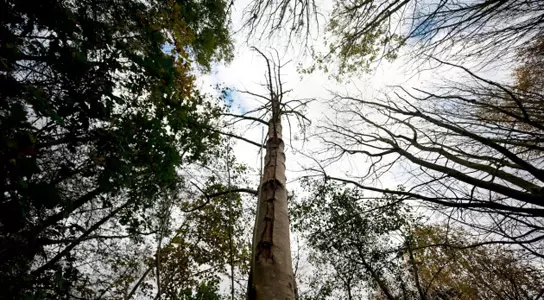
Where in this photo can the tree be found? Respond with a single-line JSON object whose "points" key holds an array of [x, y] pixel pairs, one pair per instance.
{"points": [[363, 32], [448, 269], [189, 244], [351, 238], [380, 249], [99, 112], [263, 19], [472, 147], [528, 84], [271, 275], [360, 33], [206, 291], [200, 248], [531, 60]]}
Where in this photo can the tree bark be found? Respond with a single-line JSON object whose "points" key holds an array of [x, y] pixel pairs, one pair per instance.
{"points": [[271, 276]]}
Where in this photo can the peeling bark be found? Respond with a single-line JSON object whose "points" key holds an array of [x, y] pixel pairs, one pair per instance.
{"points": [[271, 276]]}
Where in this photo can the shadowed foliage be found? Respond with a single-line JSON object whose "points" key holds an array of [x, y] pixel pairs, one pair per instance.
{"points": [[99, 111]]}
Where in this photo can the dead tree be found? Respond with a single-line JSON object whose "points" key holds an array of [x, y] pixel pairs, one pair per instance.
{"points": [[472, 153], [271, 275]]}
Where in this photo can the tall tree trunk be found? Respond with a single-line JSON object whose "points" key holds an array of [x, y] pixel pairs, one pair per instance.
{"points": [[271, 276]]}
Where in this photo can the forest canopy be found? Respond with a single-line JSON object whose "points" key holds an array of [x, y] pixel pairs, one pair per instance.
{"points": [[388, 150]]}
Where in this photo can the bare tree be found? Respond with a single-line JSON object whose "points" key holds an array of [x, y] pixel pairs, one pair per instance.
{"points": [[271, 275], [363, 32], [471, 152], [293, 18]]}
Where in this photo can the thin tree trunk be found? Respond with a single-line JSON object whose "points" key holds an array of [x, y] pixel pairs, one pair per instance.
{"points": [[271, 276], [137, 285], [383, 286], [350, 297], [422, 294], [77, 241], [231, 229]]}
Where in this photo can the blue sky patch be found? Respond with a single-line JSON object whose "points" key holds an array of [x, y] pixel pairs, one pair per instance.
{"points": [[167, 48], [424, 28], [234, 101]]}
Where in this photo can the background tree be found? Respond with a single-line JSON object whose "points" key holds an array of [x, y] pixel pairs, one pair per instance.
{"points": [[474, 148], [99, 114], [531, 60], [296, 19], [351, 238], [190, 245], [448, 267], [380, 249], [361, 33], [528, 85]]}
